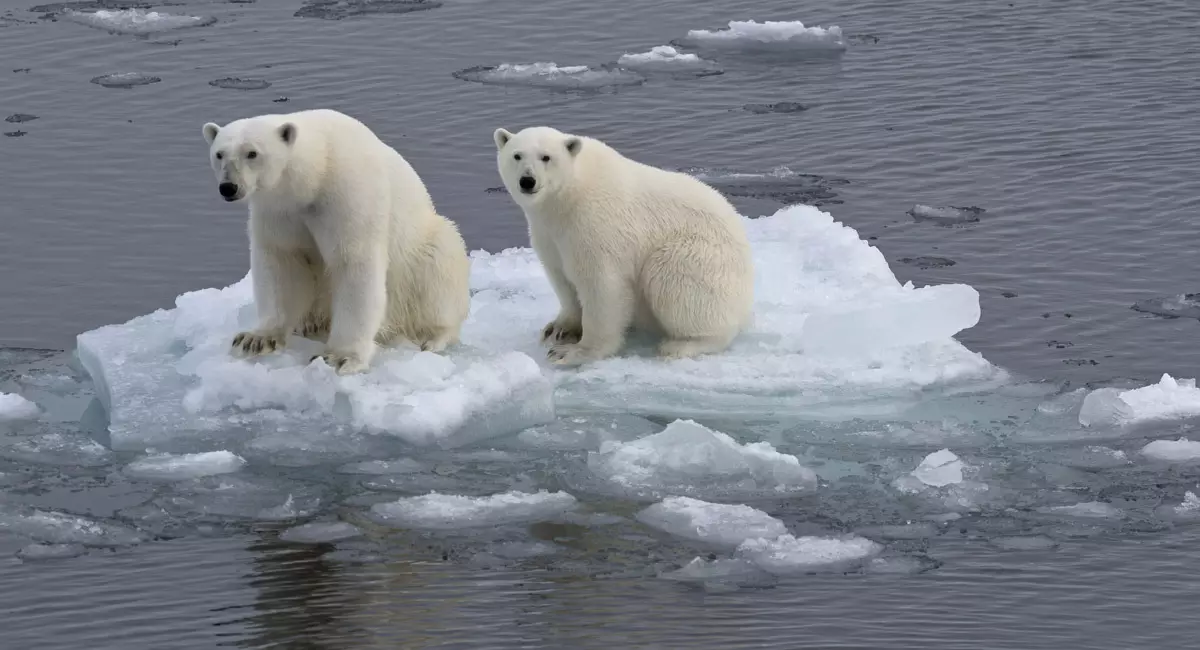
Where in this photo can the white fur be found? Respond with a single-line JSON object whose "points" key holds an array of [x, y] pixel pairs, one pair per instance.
{"points": [[626, 244], [345, 243]]}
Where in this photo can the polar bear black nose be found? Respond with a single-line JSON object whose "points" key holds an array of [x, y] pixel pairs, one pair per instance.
{"points": [[527, 184], [228, 190]]}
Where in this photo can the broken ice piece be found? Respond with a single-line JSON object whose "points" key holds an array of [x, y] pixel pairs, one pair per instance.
{"points": [[715, 523], [939, 469]]}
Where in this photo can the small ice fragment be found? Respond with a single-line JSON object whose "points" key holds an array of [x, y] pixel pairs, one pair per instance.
{"points": [[1173, 451], [586, 432], [436, 511], [35, 552], [665, 58], [901, 565], [56, 448], [736, 571], [1180, 305], [1023, 543], [1188, 510], [320, 532], [770, 36], [688, 458], [61, 528], [948, 214], [238, 83], [893, 532], [237, 497], [788, 554], [125, 80], [379, 467], [15, 407], [939, 469], [137, 21], [1091, 509], [1169, 399], [550, 75], [170, 467], [714, 523]]}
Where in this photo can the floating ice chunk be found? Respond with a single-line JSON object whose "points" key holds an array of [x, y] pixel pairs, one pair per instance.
{"points": [[15, 407], [1188, 510], [735, 571], [320, 532], [714, 523], [35, 552], [770, 36], [788, 554], [1023, 543], [375, 467], [450, 511], [137, 21], [1090, 509], [586, 432], [945, 215], [806, 265], [168, 381], [1167, 400], [551, 75], [901, 565], [61, 528], [939, 469], [170, 467], [1181, 305], [227, 496], [55, 448], [125, 80], [1173, 451], [688, 458], [665, 58]]}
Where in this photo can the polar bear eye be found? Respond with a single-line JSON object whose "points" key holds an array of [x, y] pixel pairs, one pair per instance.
{"points": [[516, 156], [252, 155], [220, 155], [545, 158]]}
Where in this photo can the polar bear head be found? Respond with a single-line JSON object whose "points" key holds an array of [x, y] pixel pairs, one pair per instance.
{"points": [[536, 162], [250, 154]]}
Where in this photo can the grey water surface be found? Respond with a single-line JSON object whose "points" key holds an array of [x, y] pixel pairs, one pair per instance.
{"points": [[1072, 123]]}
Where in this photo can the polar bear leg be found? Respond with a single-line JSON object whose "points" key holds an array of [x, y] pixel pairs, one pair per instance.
{"points": [[284, 291], [359, 305], [694, 290], [608, 303], [567, 327]]}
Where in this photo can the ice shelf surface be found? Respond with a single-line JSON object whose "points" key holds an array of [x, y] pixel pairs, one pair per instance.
{"points": [[451, 511], [689, 459], [719, 524], [833, 327], [1167, 400], [834, 331], [169, 382]]}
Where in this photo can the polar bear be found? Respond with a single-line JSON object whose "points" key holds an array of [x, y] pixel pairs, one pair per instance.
{"points": [[346, 246], [626, 244]]}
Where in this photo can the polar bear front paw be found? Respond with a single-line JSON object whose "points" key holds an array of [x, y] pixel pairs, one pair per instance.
{"points": [[342, 364], [252, 344], [560, 331]]}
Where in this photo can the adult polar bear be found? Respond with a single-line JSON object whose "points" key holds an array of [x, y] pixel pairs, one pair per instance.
{"points": [[624, 243], [345, 243]]}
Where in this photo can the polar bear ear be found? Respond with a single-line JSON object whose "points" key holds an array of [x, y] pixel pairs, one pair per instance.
{"points": [[287, 133], [573, 145], [501, 136], [210, 132]]}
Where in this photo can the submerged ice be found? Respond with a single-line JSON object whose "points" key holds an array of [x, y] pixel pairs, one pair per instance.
{"points": [[451, 511], [547, 74]]}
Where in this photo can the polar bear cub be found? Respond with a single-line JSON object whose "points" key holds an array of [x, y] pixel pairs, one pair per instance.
{"points": [[626, 244], [346, 246]]}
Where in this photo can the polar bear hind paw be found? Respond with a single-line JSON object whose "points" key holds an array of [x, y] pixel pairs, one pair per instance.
{"points": [[314, 327], [252, 344]]}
